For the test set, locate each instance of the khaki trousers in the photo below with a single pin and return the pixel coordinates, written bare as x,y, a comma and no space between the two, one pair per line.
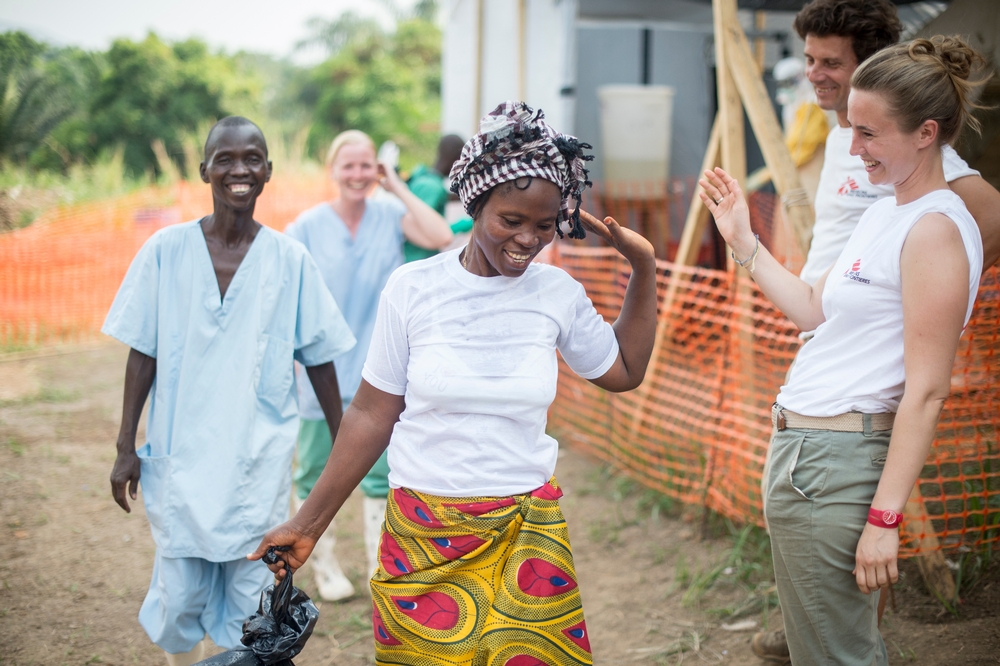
819,487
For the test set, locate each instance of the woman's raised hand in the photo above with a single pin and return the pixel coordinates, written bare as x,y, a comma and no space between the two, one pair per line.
723,197
631,245
389,179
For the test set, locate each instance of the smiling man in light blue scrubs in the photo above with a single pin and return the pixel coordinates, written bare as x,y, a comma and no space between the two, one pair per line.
215,311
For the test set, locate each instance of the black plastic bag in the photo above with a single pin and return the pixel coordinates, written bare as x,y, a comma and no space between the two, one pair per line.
278,630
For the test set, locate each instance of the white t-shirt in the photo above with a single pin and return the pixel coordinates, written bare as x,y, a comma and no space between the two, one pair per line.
854,363
476,359
844,193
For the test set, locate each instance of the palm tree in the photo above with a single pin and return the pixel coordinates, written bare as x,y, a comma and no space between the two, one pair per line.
31,103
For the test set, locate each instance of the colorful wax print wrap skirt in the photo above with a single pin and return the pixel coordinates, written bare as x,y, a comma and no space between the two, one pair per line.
482,581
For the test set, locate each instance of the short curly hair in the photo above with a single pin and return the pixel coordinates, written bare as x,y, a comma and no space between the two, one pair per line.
872,25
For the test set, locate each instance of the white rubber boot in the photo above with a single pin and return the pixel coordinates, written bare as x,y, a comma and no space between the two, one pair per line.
330,579
187,658
374,516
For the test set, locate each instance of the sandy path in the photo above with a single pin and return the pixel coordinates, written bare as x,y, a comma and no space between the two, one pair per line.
74,568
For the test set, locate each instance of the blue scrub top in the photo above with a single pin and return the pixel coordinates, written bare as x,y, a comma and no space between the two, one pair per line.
355,270
223,418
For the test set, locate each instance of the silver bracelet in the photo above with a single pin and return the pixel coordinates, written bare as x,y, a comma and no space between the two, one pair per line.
752,259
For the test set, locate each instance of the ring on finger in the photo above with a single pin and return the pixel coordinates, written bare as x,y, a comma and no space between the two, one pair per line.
718,201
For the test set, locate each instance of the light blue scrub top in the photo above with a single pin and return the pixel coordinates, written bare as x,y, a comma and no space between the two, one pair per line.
223,418
355,270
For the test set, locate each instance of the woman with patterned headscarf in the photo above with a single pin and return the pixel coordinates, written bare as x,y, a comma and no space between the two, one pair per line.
475,561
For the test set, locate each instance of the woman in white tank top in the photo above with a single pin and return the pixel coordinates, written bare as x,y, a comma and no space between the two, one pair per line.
856,420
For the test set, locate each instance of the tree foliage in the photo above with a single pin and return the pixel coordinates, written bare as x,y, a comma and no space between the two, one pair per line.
39,89
387,84
153,91
61,107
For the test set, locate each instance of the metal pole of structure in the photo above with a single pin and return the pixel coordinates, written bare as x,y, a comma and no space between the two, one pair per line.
522,48
477,102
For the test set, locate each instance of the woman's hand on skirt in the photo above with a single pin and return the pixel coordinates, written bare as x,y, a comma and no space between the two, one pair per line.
300,546
875,558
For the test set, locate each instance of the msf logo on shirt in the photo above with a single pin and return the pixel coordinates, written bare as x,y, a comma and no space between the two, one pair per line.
850,189
854,273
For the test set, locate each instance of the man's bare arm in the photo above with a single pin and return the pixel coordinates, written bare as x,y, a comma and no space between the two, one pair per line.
140,370
983,201
324,382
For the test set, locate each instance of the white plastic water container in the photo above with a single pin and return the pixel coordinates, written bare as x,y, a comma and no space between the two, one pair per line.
635,138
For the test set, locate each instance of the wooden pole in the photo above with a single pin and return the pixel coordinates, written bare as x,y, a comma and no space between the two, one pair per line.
768,132
800,214
933,567
697,215
739,83
759,46
734,158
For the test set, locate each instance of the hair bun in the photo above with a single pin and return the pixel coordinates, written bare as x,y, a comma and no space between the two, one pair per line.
927,79
954,54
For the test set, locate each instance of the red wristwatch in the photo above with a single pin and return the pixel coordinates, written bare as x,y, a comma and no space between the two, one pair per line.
887,519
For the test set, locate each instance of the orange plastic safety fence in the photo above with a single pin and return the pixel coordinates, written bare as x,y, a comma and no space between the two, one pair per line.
697,431
700,432
59,275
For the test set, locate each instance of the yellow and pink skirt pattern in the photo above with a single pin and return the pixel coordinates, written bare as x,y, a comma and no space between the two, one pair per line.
479,581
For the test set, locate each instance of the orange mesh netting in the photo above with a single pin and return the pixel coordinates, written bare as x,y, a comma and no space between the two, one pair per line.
700,433
698,429
59,275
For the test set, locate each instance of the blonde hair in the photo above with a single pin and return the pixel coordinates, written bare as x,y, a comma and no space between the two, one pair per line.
926,79
345,138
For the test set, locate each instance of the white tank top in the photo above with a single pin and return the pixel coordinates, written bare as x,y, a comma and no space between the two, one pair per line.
844,194
854,363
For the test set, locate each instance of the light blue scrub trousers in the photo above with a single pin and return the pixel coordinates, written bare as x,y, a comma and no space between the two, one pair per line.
190,597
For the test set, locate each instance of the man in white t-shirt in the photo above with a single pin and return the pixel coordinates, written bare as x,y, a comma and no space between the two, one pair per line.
839,35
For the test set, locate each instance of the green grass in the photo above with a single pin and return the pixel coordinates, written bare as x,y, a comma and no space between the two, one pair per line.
691,642
29,192
48,395
658,504
972,564
745,566
15,447
908,654
17,347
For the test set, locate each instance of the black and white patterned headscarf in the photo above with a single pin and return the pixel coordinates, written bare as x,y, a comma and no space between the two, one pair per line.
513,142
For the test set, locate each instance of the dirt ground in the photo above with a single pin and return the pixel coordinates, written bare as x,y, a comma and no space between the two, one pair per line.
74,568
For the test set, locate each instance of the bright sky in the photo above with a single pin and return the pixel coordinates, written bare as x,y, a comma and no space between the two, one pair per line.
270,26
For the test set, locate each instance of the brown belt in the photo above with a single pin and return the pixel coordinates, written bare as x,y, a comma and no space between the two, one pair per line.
850,422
